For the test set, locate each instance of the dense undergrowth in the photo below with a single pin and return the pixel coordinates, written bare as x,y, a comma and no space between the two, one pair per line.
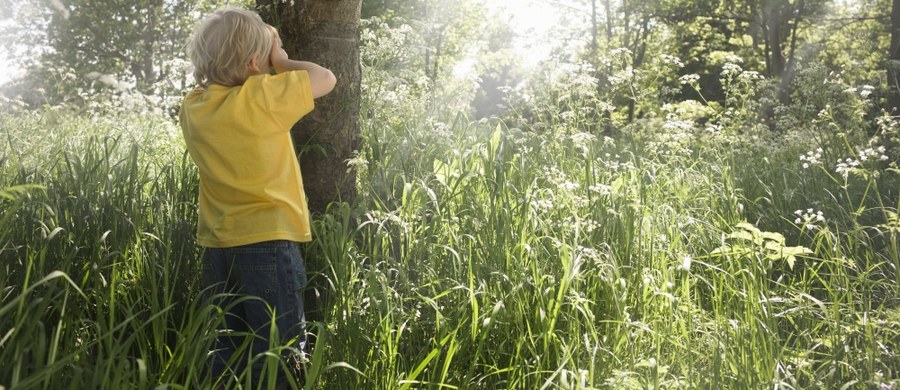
488,254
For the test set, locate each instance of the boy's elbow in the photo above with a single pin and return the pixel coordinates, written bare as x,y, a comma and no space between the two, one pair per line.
330,81
326,84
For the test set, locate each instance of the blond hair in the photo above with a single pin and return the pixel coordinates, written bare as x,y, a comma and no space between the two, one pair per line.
223,45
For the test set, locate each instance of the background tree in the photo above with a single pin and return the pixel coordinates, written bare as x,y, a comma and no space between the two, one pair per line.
767,34
447,30
893,67
497,71
73,49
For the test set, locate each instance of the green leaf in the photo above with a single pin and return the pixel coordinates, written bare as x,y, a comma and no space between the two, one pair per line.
441,171
743,235
796,250
495,140
720,250
748,227
777,237
19,191
411,379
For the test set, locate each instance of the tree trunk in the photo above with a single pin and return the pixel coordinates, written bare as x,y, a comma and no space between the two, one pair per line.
594,32
607,9
147,76
787,74
637,61
325,32
774,28
436,66
893,60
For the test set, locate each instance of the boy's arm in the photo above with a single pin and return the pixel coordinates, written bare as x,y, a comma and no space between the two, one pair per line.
321,79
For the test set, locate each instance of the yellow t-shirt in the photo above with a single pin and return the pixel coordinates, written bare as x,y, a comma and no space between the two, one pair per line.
239,137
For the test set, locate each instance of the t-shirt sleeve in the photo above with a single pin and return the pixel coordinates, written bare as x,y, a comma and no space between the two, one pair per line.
287,97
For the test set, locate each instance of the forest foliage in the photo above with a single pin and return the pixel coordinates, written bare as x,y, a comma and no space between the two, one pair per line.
681,194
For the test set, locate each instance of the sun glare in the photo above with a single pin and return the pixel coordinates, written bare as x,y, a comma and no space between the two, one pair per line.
7,71
533,22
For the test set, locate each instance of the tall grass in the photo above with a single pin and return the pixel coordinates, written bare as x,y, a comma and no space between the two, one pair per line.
478,255
99,262
502,258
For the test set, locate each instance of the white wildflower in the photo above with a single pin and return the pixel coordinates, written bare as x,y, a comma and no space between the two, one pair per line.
811,158
543,205
689,79
845,167
810,219
669,59
866,91
731,70
622,51
570,186
750,75
601,189
673,123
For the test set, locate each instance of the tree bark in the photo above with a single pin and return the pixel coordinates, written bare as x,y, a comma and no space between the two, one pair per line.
893,58
594,31
774,24
787,74
607,10
325,32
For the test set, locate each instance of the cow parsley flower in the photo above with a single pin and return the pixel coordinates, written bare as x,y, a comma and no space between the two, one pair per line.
811,158
731,70
809,218
844,167
866,91
670,59
689,79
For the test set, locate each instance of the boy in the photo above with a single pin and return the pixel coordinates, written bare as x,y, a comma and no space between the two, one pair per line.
252,207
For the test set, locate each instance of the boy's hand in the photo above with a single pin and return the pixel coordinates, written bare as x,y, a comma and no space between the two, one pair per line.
320,79
278,57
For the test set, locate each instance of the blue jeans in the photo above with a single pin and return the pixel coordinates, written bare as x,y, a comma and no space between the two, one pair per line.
249,283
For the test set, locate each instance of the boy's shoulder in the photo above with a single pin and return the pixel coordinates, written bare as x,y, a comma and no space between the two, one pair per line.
194,93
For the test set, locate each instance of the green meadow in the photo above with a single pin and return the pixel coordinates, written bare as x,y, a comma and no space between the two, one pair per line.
608,227
478,254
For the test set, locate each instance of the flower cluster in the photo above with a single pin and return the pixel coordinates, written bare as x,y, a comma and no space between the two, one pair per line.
714,128
826,114
876,153
611,163
601,189
621,77
689,79
811,158
809,218
750,75
583,141
569,186
543,205
731,70
585,226
872,154
677,124
844,167
864,92
670,59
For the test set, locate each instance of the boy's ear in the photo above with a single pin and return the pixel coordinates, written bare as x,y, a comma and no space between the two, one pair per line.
253,66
